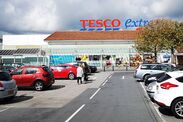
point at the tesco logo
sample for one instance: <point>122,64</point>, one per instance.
<point>111,24</point>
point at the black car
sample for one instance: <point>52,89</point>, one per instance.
<point>93,69</point>
<point>7,68</point>
<point>151,78</point>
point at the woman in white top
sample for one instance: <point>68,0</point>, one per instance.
<point>79,74</point>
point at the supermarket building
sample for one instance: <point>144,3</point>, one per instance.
<point>97,48</point>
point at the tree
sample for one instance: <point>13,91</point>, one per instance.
<point>149,39</point>
<point>158,35</point>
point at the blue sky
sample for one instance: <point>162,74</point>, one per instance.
<point>48,16</point>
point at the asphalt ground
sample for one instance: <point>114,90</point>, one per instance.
<point>107,97</point>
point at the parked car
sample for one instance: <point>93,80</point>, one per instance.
<point>39,77</point>
<point>87,70</point>
<point>169,92</point>
<point>7,68</point>
<point>145,70</point>
<point>64,71</point>
<point>8,87</point>
<point>151,90</point>
<point>93,69</point>
<point>152,78</point>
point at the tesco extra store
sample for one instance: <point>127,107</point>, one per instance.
<point>96,48</point>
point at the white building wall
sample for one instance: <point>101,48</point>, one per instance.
<point>24,41</point>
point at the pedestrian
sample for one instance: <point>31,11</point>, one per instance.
<point>79,74</point>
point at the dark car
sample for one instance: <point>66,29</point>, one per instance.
<point>93,69</point>
<point>39,77</point>
<point>151,78</point>
<point>7,68</point>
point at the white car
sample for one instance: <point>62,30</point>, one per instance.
<point>170,92</point>
<point>8,87</point>
<point>151,90</point>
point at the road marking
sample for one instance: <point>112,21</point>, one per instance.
<point>95,93</point>
<point>110,76</point>
<point>75,113</point>
<point>123,77</point>
<point>4,109</point>
<point>104,83</point>
<point>143,87</point>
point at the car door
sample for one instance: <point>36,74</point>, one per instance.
<point>63,71</point>
<point>17,76</point>
<point>29,76</point>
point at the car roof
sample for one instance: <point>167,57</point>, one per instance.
<point>32,66</point>
<point>175,73</point>
<point>62,65</point>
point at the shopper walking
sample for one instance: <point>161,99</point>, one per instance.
<point>79,74</point>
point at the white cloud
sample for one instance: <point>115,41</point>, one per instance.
<point>27,16</point>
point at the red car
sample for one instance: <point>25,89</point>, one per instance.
<point>39,77</point>
<point>64,71</point>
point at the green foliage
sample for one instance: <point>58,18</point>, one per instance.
<point>158,35</point>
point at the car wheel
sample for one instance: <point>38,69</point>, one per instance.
<point>177,108</point>
<point>71,76</point>
<point>39,86</point>
<point>145,77</point>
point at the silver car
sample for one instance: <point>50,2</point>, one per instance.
<point>8,87</point>
<point>145,70</point>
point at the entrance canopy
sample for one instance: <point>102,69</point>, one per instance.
<point>22,52</point>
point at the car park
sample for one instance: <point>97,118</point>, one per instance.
<point>39,77</point>
<point>64,71</point>
<point>169,92</point>
<point>8,87</point>
<point>145,70</point>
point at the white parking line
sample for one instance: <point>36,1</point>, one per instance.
<point>75,113</point>
<point>143,87</point>
<point>104,83</point>
<point>95,93</point>
<point>4,109</point>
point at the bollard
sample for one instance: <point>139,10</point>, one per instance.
<point>112,68</point>
<point>126,68</point>
<point>104,68</point>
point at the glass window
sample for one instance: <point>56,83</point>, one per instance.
<point>163,78</point>
<point>18,72</point>
<point>147,66</point>
<point>180,79</point>
<point>31,70</point>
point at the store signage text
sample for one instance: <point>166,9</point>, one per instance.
<point>111,24</point>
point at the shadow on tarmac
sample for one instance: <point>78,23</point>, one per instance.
<point>165,111</point>
<point>16,99</point>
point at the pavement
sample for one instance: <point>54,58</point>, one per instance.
<point>106,97</point>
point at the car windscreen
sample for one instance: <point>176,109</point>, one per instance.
<point>4,76</point>
<point>163,78</point>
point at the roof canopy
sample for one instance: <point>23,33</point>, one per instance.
<point>29,51</point>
